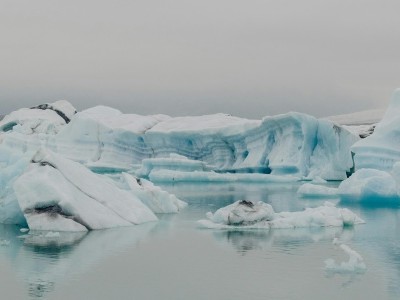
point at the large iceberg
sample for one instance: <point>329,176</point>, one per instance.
<point>104,139</point>
<point>310,190</point>
<point>57,188</point>
<point>292,143</point>
<point>369,184</point>
<point>381,150</point>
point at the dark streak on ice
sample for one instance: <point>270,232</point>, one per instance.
<point>53,210</point>
<point>59,112</point>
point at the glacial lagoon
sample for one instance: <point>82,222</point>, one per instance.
<point>175,259</point>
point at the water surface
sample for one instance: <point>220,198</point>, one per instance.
<point>174,259</point>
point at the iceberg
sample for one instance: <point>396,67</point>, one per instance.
<point>249,215</point>
<point>381,150</point>
<point>49,153</point>
<point>61,195</point>
<point>242,213</point>
<point>106,140</point>
<point>369,184</point>
<point>309,190</point>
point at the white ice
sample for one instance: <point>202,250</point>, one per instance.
<point>310,190</point>
<point>369,183</point>
<point>61,195</point>
<point>105,139</point>
<point>262,216</point>
<point>355,263</point>
<point>158,200</point>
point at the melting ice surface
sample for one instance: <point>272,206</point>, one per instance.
<point>174,259</point>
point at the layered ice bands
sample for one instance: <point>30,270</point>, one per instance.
<point>381,150</point>
<point>294,143</point>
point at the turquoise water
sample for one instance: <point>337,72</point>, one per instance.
<point>174,259</point>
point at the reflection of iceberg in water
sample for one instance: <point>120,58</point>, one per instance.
<point>44,262</point>
<point>283,239</point>
<point>244,241</point>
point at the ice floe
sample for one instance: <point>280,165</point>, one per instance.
<point>105,139</point>
<point>61,195</point>
<point>355,263</point>
<point>309,190</point>
<point>260,215</point>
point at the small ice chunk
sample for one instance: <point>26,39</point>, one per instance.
<point>242,213</point>
<point>24,229</point>
<point>309,190</point>
<point>355,264</point>
<point>261,215</point>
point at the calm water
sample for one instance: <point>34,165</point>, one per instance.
<point>174,259</point>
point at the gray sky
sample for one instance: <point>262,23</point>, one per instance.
<point>250,58</point>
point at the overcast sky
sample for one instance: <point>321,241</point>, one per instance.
<point>249,58</point>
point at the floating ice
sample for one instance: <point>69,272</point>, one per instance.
<point>309,190</point>
<point>369,183</point>
<point>158,200</point>
<point>61,195</point>
<point>52,234</point>
<point>381,150</point>
<point>106,140</point>
<point>242,213</point>
<point>200,176</point>
<point>262,216</point>
<point>355,264</point>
